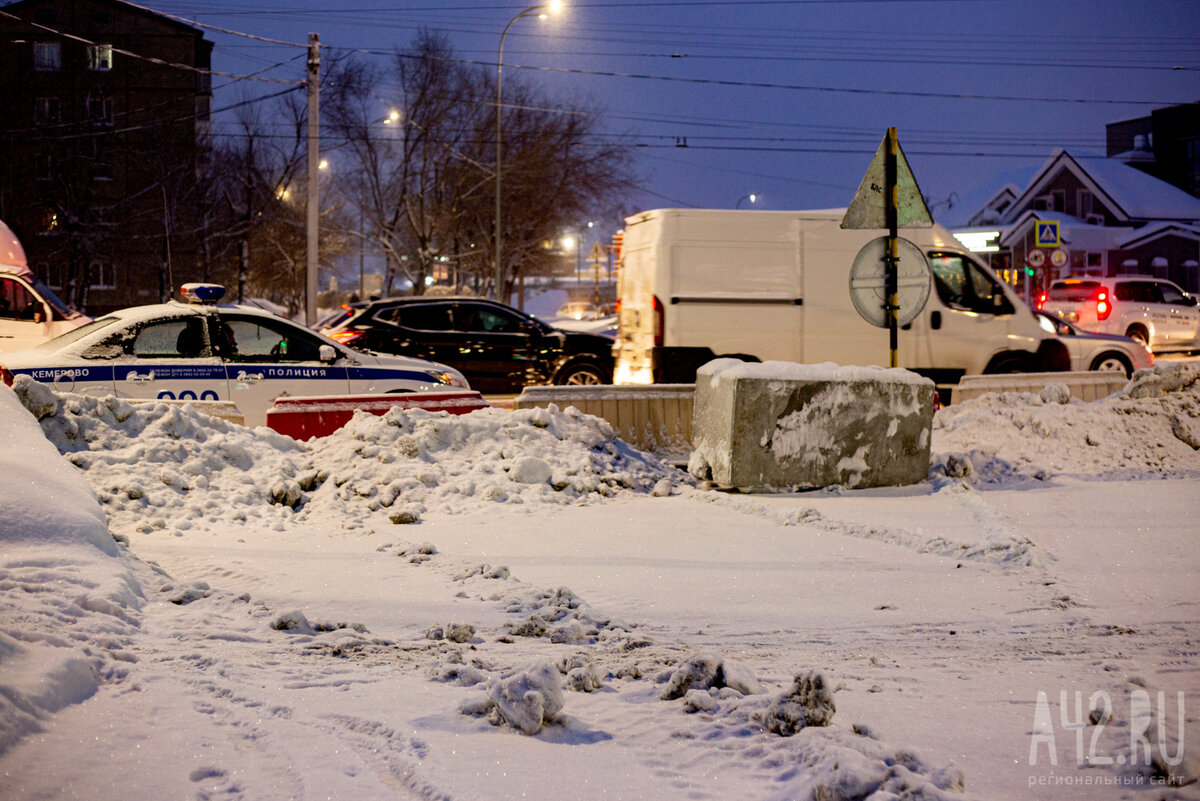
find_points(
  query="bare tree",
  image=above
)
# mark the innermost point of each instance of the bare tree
(424, 178)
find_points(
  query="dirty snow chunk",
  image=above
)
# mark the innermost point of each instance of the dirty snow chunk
(530, 470)
(663, 488)
(284, 493)
(35, 396)
(526, 701)
(460, 632)
(464, 675)
(292, 621)
(808, 702)
(699, 701)
(704, 671)
(1056, 392)
(405, 516)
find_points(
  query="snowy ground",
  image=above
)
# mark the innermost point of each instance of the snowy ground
(511, 605)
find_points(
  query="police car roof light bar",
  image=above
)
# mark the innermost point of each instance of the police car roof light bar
(202, 293)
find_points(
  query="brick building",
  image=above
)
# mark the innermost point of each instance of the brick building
(104, 131)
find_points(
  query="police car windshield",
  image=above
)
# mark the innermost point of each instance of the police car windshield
(62, 340)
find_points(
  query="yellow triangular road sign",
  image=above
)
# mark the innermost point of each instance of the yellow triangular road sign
(869, 207)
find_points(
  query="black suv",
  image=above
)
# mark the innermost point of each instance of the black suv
(498, 348)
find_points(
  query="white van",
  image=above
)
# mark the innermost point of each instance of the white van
(698, 284)
(30, 313)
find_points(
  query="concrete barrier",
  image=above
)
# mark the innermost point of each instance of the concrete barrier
(1086, 386)
(778, 424)
(655, 418)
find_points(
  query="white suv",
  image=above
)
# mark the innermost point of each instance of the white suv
(1155, 312)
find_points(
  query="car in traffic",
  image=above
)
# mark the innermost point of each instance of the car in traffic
(498, 348)
(582, 310)
(1092, 351)
(200, 350)
(1154, 311)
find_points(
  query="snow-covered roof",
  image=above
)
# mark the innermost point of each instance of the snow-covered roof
(968, 205)
(1127, 192)
(1147, 233)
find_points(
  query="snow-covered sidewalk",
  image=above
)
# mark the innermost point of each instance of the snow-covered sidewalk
(354, 617)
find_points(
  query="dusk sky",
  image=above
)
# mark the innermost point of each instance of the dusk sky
(788, 99)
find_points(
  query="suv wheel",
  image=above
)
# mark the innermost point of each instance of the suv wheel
(582, 374)
(1139, 334)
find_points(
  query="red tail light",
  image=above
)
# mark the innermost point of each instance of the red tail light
(345, 337)
(617, 307)
(1103, 307)
(1041, 301)
(658, 322)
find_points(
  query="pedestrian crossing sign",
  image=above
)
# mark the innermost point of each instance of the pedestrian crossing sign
(1045, 234)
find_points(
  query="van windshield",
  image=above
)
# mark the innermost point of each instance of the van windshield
(49, 296)
(962, 284)
(1073, 291)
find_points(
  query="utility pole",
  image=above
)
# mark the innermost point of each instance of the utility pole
(313, 201)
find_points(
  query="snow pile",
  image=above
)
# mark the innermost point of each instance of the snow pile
(1151, 428)
(147, 459)
(68, 599)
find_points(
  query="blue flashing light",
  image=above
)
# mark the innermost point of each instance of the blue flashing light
(202, 293)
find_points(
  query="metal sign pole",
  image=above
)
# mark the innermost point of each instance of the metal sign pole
(893, 256)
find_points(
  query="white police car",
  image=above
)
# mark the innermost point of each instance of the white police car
(203, 351)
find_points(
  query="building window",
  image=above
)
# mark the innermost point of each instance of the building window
(51, 276)
(100, 57)
(101, 275)
(100, 111)
(47, 56)
(47, 111)
(103, 171)
(1083, 203)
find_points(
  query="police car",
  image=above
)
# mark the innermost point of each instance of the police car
(203, 351)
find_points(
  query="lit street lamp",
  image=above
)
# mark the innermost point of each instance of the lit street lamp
(752, 197)
(538, 11)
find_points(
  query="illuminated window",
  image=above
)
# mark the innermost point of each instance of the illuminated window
(100, 57)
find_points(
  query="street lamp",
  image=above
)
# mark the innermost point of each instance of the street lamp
(752, 197)
(539, 11)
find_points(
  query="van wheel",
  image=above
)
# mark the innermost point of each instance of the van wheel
(582, 374)
(1012, 363)
(1112, 363)
(1139, 335)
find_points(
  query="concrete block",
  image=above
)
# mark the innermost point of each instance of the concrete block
(783, 425)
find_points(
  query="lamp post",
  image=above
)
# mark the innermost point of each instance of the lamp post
(752, 197)
(538, 11)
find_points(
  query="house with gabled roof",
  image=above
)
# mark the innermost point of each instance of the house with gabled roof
(1111, 219)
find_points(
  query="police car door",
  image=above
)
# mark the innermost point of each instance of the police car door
(171, 360)
(267, 357)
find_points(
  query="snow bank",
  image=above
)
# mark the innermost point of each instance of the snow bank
(1150, 429)
(161, 467)
(68, 599)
